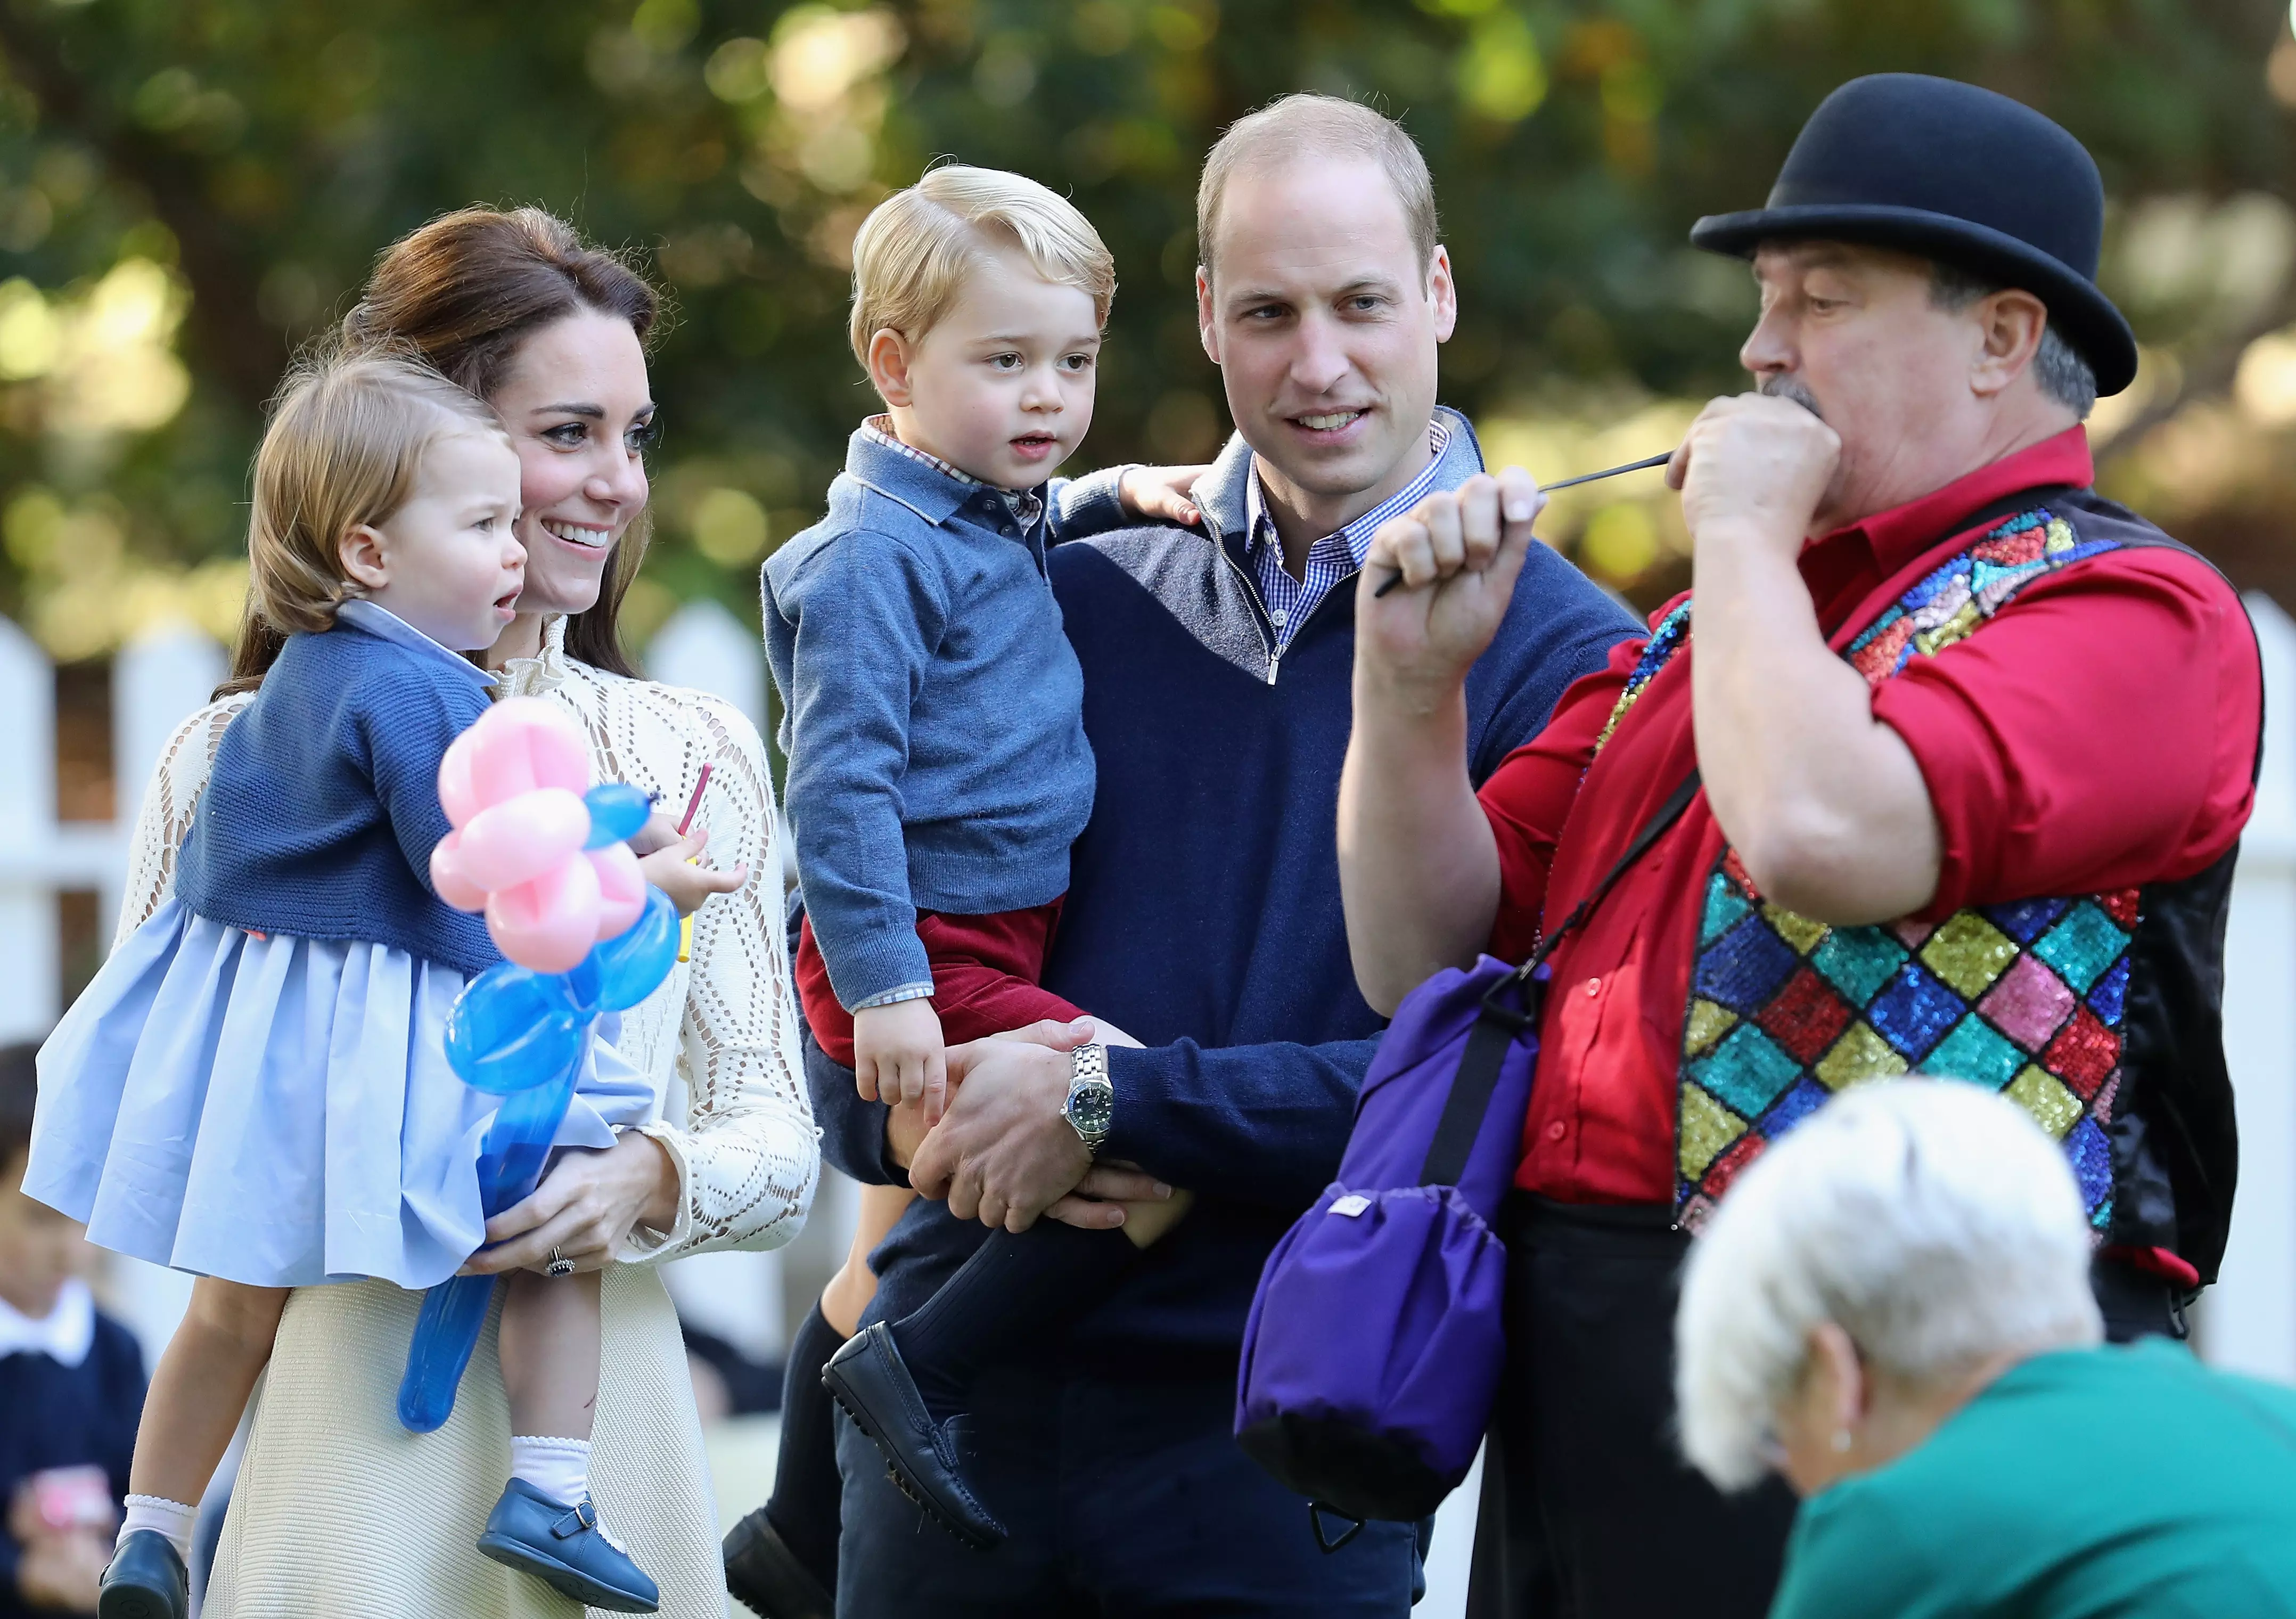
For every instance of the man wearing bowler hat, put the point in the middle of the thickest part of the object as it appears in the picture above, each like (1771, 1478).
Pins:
(1972, 750)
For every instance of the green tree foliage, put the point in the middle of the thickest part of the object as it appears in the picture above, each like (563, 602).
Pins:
(191, 188)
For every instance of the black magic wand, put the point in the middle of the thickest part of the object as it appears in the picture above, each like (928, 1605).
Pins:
(1632, 466)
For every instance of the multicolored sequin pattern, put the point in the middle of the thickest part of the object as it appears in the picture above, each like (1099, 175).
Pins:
(1672, 633)
(2026, 999)
(1968, 591)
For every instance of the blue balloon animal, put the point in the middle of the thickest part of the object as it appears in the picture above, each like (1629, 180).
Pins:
(523, 1036)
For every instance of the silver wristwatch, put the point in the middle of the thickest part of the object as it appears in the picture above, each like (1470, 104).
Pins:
(1091, 1106)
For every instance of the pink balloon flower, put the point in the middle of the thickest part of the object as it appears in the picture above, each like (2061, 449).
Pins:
(511, 787)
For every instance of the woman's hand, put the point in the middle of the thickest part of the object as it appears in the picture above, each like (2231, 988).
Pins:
(584, 1208)
(1160, 493)
(665, 859)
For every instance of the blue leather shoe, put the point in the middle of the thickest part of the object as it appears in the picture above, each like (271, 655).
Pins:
(871, 1382)
(146, 1581)
(564, 1547)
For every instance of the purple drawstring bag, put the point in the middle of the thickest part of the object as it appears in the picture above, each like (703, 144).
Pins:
(1372, 1352)
(1374, 1347)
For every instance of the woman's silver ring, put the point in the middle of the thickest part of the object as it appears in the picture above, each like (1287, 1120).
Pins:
(560, 1265)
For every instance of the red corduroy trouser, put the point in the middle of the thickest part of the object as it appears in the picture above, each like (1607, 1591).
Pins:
(984, 972)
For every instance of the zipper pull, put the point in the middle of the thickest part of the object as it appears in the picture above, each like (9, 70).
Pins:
(1274, 658)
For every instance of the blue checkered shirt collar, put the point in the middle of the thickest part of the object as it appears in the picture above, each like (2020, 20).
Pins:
(1028, 505)
(1331, 559)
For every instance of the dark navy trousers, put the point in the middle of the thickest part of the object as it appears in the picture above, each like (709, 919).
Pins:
(1124, 1499)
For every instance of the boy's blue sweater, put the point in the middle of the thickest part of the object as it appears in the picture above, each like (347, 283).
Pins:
(1203, 910)
(936, 760)
(319, 818)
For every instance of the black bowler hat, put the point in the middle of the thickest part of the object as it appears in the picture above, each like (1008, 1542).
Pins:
(1955, 174)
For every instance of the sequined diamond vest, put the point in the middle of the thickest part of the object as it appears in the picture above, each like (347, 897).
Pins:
(2098, 1014)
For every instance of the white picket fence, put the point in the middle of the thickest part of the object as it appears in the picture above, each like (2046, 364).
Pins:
(2248, 1321)
(156, 684)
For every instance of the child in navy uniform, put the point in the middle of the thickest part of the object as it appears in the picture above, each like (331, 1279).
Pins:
(71, 1386)
(939, 770)
(255, 1089)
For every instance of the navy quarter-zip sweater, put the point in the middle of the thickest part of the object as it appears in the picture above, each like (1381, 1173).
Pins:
(1204, 907)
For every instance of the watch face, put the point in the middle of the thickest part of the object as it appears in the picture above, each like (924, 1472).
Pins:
(1090, 1108)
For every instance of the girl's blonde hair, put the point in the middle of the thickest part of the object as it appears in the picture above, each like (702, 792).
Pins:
(345, 443)
(914, 250)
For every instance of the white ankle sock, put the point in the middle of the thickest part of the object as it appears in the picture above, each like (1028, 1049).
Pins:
(171, 1519)
(558, 1467)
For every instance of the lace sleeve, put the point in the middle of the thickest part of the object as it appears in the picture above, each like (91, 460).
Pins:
(750, 1156)
(170, 800)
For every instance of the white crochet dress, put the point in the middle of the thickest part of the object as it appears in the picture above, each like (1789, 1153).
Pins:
(339, 1510)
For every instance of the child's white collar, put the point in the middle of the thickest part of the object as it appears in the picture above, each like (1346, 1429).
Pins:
(64, 1335)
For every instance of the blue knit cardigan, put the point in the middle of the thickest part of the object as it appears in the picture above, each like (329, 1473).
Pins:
(319, 818)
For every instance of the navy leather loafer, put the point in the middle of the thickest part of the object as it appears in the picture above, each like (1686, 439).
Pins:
(564, 1547)
(146, 1581)
(868, 1379)
(762, 1572)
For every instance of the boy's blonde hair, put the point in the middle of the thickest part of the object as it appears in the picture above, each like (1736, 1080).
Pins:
(912, 253)
(345, 443)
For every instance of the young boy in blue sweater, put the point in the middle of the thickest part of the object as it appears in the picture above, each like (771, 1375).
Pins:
(939, 770)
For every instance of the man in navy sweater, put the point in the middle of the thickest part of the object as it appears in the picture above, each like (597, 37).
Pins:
(1204, 915)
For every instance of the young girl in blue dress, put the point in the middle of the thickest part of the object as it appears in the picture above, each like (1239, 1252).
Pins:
(255, 1087)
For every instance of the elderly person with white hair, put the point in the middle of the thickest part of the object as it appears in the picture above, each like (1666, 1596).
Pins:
(1892, 1308)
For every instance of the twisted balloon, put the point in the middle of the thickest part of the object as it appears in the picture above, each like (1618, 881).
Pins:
(544, 854)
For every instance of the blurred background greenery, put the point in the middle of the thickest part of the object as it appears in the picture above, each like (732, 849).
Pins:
(191, 188)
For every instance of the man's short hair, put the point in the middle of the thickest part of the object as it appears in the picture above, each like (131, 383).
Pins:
(912, 252)
(2063, 375)
(1320, 126)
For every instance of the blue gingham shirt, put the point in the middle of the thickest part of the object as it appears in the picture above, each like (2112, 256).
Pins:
(1028, 505)
(1331, 559)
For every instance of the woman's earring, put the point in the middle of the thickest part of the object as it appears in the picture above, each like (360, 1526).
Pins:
(1841, 1441)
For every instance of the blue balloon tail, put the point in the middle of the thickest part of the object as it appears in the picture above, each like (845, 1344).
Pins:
(511, 1158)
(445, 1333)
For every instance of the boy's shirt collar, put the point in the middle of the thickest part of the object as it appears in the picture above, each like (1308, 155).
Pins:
(933, 489)
(64, 1335)
(879, 430)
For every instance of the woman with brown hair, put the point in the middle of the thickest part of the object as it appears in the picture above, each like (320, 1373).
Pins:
(337, 1508)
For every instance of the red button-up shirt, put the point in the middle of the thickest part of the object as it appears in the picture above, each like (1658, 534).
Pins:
(2100, 733)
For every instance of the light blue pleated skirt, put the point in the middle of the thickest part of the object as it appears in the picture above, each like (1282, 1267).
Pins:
(277, 1111)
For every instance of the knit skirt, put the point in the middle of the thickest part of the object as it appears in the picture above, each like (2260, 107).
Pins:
(339, 1510)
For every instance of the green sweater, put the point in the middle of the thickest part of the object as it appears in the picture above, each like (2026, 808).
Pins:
(2085, 1482)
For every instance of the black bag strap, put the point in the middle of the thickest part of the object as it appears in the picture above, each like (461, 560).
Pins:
(1498, 1023)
